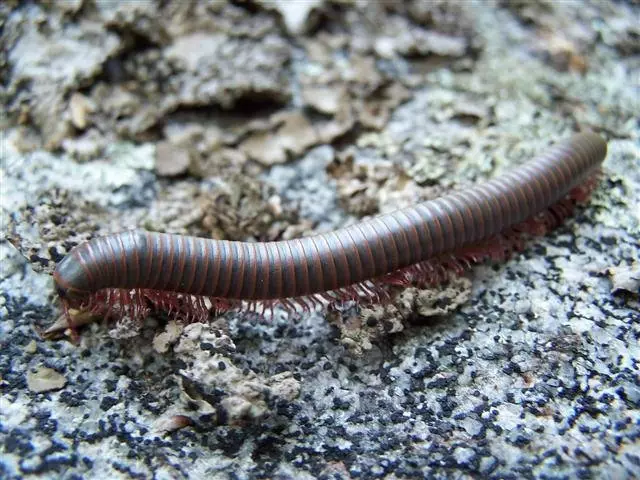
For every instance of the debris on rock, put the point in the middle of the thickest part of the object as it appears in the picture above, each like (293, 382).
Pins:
(80, 107)
(375, 185)
(215, 68)
(325, 99)
(242, 208)
(625, 277)
(162, 341)
(134, 88)
(31, 347)
(562, 53)
(47, 62)
(36, 230)
(212, 380)
(87, 146)
(207, 62)
(372, 323)
(292, 137)
(44, 379)
(565, 46)
(296, 15)
(175, 209)
(125, 328)
(169, 424)
(171, 161)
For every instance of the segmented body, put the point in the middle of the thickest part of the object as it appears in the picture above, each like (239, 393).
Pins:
(352, 256)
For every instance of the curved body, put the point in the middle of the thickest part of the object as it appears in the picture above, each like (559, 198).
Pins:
(326, 262)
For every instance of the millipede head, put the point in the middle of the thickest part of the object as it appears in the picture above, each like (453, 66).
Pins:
(69, 295)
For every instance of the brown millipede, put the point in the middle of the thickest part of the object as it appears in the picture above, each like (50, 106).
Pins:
(134, 270)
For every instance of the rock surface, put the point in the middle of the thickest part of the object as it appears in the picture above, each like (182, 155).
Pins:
(273, 123)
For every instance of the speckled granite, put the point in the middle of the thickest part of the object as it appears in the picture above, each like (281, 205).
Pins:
(536, 376)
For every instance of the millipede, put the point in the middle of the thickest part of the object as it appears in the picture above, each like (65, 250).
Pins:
(130, 273)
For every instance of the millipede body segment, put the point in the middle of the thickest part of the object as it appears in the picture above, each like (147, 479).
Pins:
(136, 267)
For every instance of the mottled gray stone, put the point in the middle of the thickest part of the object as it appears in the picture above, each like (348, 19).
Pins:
(536, 376)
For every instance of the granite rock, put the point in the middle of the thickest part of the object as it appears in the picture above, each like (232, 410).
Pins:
(528, 370)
